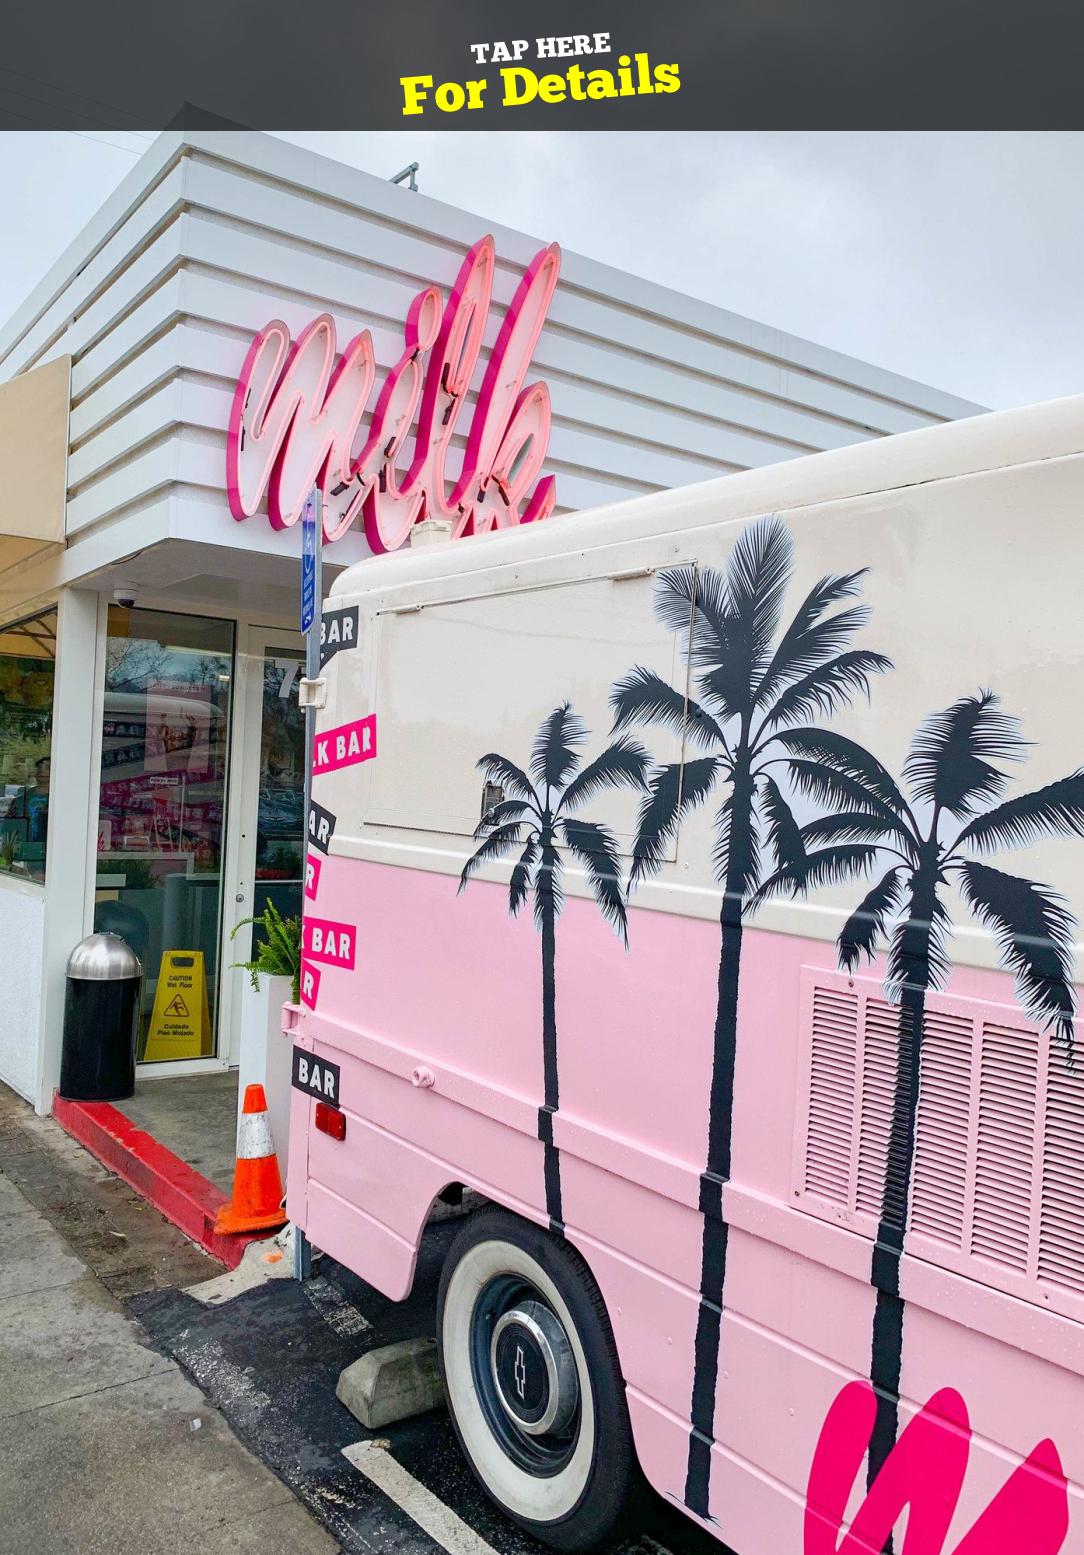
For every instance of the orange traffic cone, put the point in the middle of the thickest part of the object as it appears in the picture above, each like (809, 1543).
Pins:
(257, 1183)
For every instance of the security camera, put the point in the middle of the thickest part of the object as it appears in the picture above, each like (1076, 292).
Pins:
(125, 597)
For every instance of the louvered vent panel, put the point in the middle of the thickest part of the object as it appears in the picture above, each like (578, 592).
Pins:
(1008, 1092)
(878, 1086)
(939, 1189)
(1061, 1231)
(834, 1050)
(997, 1187)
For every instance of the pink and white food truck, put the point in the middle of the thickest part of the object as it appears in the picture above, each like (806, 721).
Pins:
(695, 882)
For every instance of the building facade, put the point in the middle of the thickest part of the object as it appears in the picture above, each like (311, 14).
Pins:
(150, 738)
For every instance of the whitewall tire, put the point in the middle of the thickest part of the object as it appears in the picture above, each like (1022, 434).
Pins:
(533, 1382)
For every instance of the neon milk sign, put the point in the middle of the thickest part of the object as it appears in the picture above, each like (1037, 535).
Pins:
(298, 411)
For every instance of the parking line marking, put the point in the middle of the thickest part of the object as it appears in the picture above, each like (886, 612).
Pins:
(420, 1504)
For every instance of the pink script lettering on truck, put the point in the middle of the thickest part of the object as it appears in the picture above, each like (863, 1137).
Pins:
(345, 746)
(298, 410)
(925, 1471)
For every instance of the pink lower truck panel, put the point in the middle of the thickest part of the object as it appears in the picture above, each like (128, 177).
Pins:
(441, 1080)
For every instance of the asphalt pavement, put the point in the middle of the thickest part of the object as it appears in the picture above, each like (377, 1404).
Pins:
(269, 1360)
(109, 1449)
(140, 1420)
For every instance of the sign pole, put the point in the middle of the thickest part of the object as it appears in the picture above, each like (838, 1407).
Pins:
(312, 557)
(312, 594)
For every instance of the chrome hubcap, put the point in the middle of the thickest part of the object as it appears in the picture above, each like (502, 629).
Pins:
(533, 1369)
(525, 1375)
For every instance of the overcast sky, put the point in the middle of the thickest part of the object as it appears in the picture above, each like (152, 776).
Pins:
(954, 258)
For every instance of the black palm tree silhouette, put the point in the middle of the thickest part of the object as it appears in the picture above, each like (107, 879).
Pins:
(538, 816)
(751, 687)
(954, 769)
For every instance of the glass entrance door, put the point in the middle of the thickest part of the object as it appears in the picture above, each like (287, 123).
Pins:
(162, 817)
(269, 818)
(279, 840)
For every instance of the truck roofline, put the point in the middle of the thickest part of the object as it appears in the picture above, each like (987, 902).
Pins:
(992, 440)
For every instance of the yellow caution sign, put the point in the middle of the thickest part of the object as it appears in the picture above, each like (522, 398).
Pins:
(181, 1022)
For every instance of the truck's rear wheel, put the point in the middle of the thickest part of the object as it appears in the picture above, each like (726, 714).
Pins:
(533, 1382)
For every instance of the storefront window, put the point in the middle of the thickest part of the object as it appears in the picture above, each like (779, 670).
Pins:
(162, 815)
(27, 663)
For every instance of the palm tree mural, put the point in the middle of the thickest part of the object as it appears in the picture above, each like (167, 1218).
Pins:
(955, 776)
(753, 681)
(538, 817)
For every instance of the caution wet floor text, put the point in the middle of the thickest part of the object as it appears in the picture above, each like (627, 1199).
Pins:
(181, 1022)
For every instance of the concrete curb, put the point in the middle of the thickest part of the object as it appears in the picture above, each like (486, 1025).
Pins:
(183, 1195)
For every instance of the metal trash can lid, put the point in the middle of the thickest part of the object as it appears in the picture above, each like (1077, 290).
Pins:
(103, 958)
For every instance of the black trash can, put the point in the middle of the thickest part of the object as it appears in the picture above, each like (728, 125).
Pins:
(101, 1004)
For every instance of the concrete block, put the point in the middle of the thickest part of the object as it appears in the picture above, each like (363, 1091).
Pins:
(392, 1383)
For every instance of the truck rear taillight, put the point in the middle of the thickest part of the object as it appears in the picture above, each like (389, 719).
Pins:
(329, 1120)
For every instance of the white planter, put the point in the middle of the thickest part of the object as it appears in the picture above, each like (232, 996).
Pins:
(265, 1056)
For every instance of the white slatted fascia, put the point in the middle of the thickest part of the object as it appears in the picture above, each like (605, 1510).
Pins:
(420, 258)
(142, 477)
(196, 405)
(243, 309)
(214, 299)
(158, 361)
(130, 334)
(162, 256)
(650, 389)
(607, 408)
(148, 419)
(285, 166)
(197, 459)
(668, 387)
(232, 173)
(327, 281)
(106, 285)
(365, 246)
(152, 168)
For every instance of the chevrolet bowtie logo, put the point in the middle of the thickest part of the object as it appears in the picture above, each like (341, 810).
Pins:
(520, 1372)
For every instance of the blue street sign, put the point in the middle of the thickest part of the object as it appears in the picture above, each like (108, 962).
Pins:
(308, 562)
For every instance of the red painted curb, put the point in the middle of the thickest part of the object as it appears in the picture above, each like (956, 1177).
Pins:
(183, 1195)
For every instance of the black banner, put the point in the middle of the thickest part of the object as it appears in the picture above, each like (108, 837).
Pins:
(553, 64)
(338, 630)
(317, 1077)
(321, 827)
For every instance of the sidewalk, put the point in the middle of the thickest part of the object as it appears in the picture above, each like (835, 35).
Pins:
(108, 1448)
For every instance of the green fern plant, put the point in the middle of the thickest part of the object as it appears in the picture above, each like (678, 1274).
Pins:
(278, 954)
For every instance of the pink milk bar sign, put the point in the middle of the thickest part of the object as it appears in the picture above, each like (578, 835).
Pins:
(310, 984)
(299, 408)
(333, 943)
(312, 876)
(345, 746)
